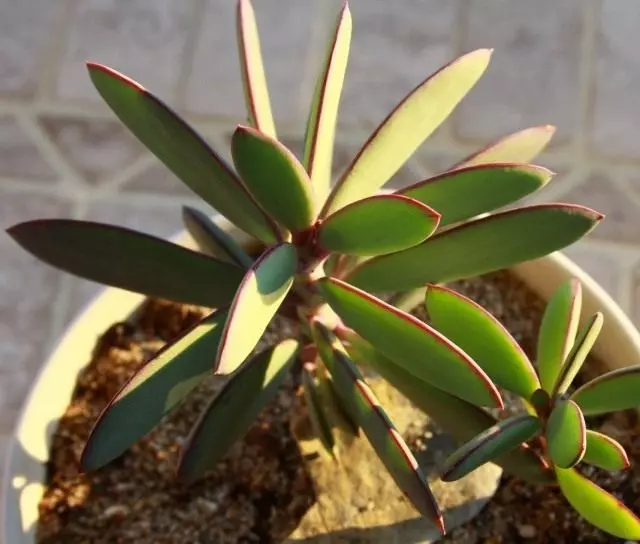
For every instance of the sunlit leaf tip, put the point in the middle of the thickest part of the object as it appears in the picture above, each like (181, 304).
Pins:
(405, 128)
(97, 67)
(323, 114)
(522, 146)
(585, 340)
(605, 452)
(262, 291)
(483, 338)
(597, 506)
(253, 75)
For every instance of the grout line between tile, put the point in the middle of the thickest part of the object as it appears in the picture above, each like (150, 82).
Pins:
(67, 177)
(55, 51)
(188, 51)
(585, 80)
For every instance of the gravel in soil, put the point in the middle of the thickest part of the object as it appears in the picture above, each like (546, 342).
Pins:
(261, 490)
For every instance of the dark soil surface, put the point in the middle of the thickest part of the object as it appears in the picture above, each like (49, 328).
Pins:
(261, 490)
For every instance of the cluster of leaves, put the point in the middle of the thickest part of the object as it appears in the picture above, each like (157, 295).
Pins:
(327, 248)
(555, 418)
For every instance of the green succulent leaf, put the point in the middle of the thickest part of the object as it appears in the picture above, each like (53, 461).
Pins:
(598, 507)
(499, 439)
(461, 194)
(254, 82)
(234, 409)
(129, 260)
(407, 340)
(154, 391)
(377, 225)
(315, 407)
(585, 340)
(182, 150)
(605, 452)
(566, 434)
(522, 146)
(378, 428)
(614, 391)
(275, 178)
(483, 338)
(460, 418)
(406, 127)
(558, 330)
(478, 247)
(212, 239)
(321, 126)
(262, 291)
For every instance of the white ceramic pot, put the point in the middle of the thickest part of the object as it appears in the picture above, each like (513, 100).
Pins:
(617, 346)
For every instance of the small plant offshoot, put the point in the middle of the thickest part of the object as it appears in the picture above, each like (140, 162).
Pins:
(346, 263)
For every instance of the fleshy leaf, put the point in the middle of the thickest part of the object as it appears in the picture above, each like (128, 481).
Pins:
(557, 333)
(377, 225)
(275, 178)
(321, 126)
(182, 150)
(406, 127)
(460, 418)
(154, 391)
(379, 430)
(129, 260)
(478, 247)
(262, 291)
(499, 439)
(522, 146)
(408, 341)
(598, 507)
(566, 434)
(315, 409)
(459, 195)
(614, 391)
(483, 338)
(605, 452)
(234, 409)
(256, 92)
(585, 340)
(212, 239)
(409, 300)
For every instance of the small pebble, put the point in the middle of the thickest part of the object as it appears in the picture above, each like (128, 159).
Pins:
(527, 531)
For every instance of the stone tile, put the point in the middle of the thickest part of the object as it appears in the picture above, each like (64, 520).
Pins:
(392, 51)
(215, 85)
(26, 29)
(151, 219)
(28, 295)
(19, 157)
(145, 39)
(96, 149)
(616, 121)
(622, 221)
(156, 179)
(533, 76)
(601, 264)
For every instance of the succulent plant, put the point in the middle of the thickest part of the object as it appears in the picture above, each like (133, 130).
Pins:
(325, 249)
(555, 417)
